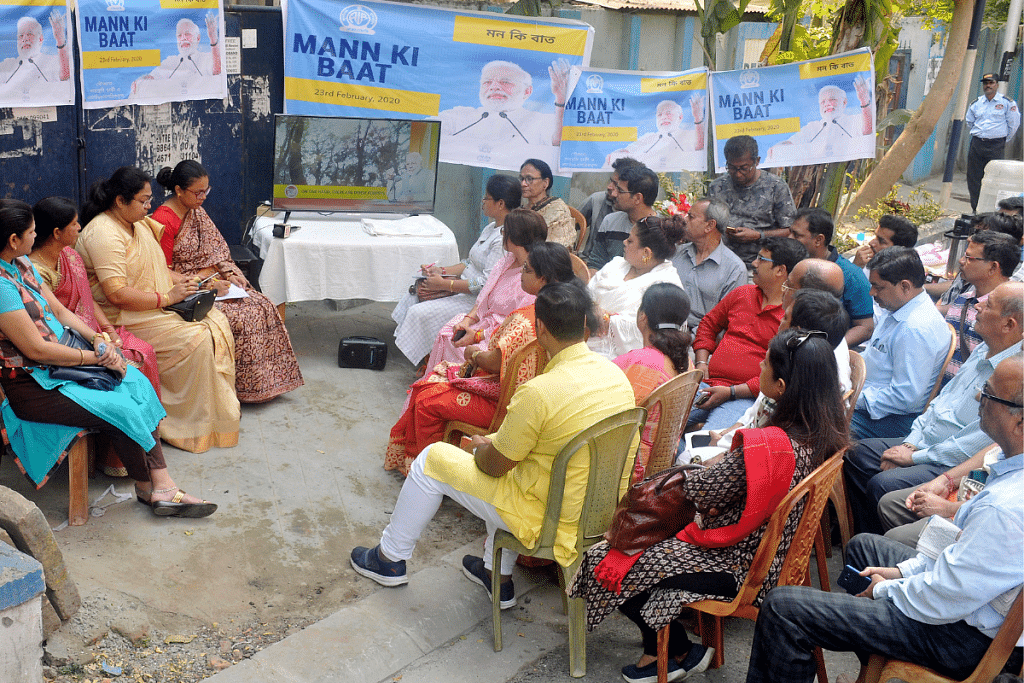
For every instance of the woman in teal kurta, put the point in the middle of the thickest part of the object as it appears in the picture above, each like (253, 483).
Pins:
(41, 411)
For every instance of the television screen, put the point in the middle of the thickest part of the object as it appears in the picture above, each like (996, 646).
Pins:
(330, 163)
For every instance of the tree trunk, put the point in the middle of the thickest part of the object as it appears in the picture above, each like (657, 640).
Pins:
(887, 173)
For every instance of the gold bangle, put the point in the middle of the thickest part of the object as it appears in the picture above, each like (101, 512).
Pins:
(82, 352)
(451, 286)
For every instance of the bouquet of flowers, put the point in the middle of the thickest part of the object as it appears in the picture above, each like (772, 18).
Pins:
(675, 203)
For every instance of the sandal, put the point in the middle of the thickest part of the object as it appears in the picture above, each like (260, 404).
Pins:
(175, 507)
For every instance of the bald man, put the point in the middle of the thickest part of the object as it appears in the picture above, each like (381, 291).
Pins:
(813, 273)
(191, 69)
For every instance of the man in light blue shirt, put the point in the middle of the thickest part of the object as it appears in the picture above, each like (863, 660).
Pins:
(906, 351)
(942, 612)
(949, 432)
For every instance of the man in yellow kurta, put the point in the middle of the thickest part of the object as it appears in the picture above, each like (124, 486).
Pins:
(505, 480)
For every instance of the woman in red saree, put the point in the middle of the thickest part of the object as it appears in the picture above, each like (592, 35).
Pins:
(265, 364)
(63, 271)
(446, 395)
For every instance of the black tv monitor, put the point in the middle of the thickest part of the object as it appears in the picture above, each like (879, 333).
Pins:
(332, 163)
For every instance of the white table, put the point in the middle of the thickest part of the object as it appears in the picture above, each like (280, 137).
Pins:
(332, 257)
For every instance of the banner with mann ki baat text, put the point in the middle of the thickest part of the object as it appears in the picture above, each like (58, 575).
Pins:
(657, 118)
(151, 51)
(35, 57)
(810, 112)
(492, 80)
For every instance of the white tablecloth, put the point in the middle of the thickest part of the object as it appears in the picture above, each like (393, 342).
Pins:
(332, 257)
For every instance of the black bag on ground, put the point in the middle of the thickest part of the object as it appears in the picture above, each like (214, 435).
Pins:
(362, 352)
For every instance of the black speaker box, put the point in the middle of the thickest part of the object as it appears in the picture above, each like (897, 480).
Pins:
(362, 352)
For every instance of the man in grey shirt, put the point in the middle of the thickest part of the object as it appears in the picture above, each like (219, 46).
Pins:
(598, 205)
(706, 267)
(760, 204)
(636, 192)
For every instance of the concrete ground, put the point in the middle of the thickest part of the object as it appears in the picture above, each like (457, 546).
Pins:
(305, 485)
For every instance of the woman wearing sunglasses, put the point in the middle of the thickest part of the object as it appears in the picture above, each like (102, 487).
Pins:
(265, 364)
(711, 556)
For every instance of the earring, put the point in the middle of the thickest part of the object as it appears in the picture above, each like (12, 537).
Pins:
(646, 259)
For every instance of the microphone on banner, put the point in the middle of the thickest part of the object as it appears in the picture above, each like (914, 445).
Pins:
(660, 136)
(32, 62)
(181, 60)
(505, 116)
(482, 117)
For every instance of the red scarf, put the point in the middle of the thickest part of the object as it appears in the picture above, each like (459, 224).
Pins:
(769, 462)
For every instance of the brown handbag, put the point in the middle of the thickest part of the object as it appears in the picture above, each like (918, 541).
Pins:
(651, 511)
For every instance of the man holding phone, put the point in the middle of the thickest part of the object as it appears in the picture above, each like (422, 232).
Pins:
(760, 204)
(941, 611)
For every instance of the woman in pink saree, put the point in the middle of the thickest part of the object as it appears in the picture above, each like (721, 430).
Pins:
(501, 294)
(265, 364)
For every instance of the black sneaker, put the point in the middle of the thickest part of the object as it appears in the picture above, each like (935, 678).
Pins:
(473, 568)
(649, 674)
(369, 563)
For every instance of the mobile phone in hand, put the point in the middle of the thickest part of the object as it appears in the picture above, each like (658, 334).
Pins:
(852, 581)
(459, 334)
(702, 398)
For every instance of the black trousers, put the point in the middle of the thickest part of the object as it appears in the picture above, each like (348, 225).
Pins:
(980, 153)
(713, 583)
(31, 402)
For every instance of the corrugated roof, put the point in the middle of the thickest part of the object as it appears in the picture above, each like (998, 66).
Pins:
(755, 7)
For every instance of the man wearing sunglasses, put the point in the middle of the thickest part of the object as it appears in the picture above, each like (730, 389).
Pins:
(992, 119)
(948, 432)
(940, 611)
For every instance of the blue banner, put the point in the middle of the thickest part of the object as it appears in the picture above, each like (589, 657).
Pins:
(804, 113)
(156, 51)
(35, 57)
(492, 80)
(657, 118)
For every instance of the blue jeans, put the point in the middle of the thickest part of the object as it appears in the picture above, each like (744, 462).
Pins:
(725, 415)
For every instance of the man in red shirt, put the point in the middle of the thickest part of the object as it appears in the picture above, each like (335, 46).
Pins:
(747, 318)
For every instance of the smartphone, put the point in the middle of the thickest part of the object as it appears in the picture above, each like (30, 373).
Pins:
(459, 334)
(852, 581)
(702, 398)
(700, 440)
(731, 230)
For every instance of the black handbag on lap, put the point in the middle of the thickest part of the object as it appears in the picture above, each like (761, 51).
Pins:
(89, 376)
(195, 307)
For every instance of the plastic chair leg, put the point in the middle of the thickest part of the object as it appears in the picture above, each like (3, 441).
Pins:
(496, 597)
(712, 635)
(577, 638)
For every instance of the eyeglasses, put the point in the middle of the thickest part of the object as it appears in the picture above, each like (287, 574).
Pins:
(746, 168)
(787, 288)
(794, 343)
(146, 202)
(202, 194)
(986, 395)
(969, 259)
(763, 258)
(528, 179)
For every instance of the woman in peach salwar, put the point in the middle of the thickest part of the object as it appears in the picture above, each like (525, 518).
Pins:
(265, 364)
(131, 282)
